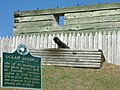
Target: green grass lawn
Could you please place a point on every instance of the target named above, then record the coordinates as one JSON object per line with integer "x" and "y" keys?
{"x": 66, "y": 78}
{"x": 69, "y": 78}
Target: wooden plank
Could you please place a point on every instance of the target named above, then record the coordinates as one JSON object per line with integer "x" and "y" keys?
{"x": 77, "y": 41}
{"x": 53, "y": 43}
{"x": 104, "y": 25}
{"x": 95, "y": 42}
{"x": 100, "y": 40}
{"x": 50, "y": 41}
{"x": 65, "y": 39}
{"x": 118, "y": 48}
{"x": 69, "y": 40}
{"x": 35, "y": 24}
{"x": 65, "y": 31}
{"x": 45, "y": 41}
{"x": 114, "y": 48}
{"x": 86, "y": 41}
{"x": 109, "y": 48}
{"x": 72, "y": 60}
{"x": 90, "y": 14}
{"x": 91, "y": 41}
{"x": 58, "y": 30}
{"x": 34, "y": 18}
{"x": 98, "y": 19}
{"x": 73, "y": 63}
{"x": 68, "y": 56}
{"x": 66, "y": 52}
{"x": 38, "y": 41}
{"x": 105, "y": 45}
{"x": 69, "y": 9}
{"x": 82, "y": 41}
{"x": 78, "y": 27}
{"x": 68, "y": 65}
{"x": 107, "y": 29}
{"x": 36, "y": 29}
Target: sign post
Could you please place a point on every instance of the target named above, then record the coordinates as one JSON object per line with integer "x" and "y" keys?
{"x": 21, "y": 70}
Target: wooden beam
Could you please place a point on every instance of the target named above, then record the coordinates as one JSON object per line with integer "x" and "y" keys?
{"x": 96, "y": 7}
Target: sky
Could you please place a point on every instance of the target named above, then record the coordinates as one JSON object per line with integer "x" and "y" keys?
{"x": 8, "y": 7}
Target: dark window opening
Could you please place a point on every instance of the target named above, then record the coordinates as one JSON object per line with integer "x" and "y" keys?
{"x": 60, "y": 19}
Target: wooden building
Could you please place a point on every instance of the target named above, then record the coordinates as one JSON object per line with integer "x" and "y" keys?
{"x": 91, "y": 18}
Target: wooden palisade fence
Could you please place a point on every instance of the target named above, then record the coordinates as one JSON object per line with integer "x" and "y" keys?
{"x": 108, "y": 42}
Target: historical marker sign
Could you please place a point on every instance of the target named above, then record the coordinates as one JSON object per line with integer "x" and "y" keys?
{"x": 20, "y": 69}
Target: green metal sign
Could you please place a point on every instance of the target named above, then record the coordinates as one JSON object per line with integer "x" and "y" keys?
{"x": 21, "y": 70}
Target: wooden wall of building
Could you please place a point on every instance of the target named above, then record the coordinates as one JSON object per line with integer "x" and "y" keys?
{"x": 92, "y": 18}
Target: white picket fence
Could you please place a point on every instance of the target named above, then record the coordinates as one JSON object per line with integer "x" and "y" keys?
{"x": 108, "y": 42}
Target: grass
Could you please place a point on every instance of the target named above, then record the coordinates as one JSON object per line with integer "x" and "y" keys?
{"x": 68, "y": 78}
{"x": 65, "y": 78}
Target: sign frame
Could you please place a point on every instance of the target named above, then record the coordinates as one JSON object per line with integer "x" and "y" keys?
{"x": 21, "y": 54}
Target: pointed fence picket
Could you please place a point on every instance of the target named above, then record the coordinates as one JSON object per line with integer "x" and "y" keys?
{"x": 108, "y": 42}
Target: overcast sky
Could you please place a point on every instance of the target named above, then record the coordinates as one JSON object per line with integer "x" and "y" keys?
{"x": 8, "y": 7}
